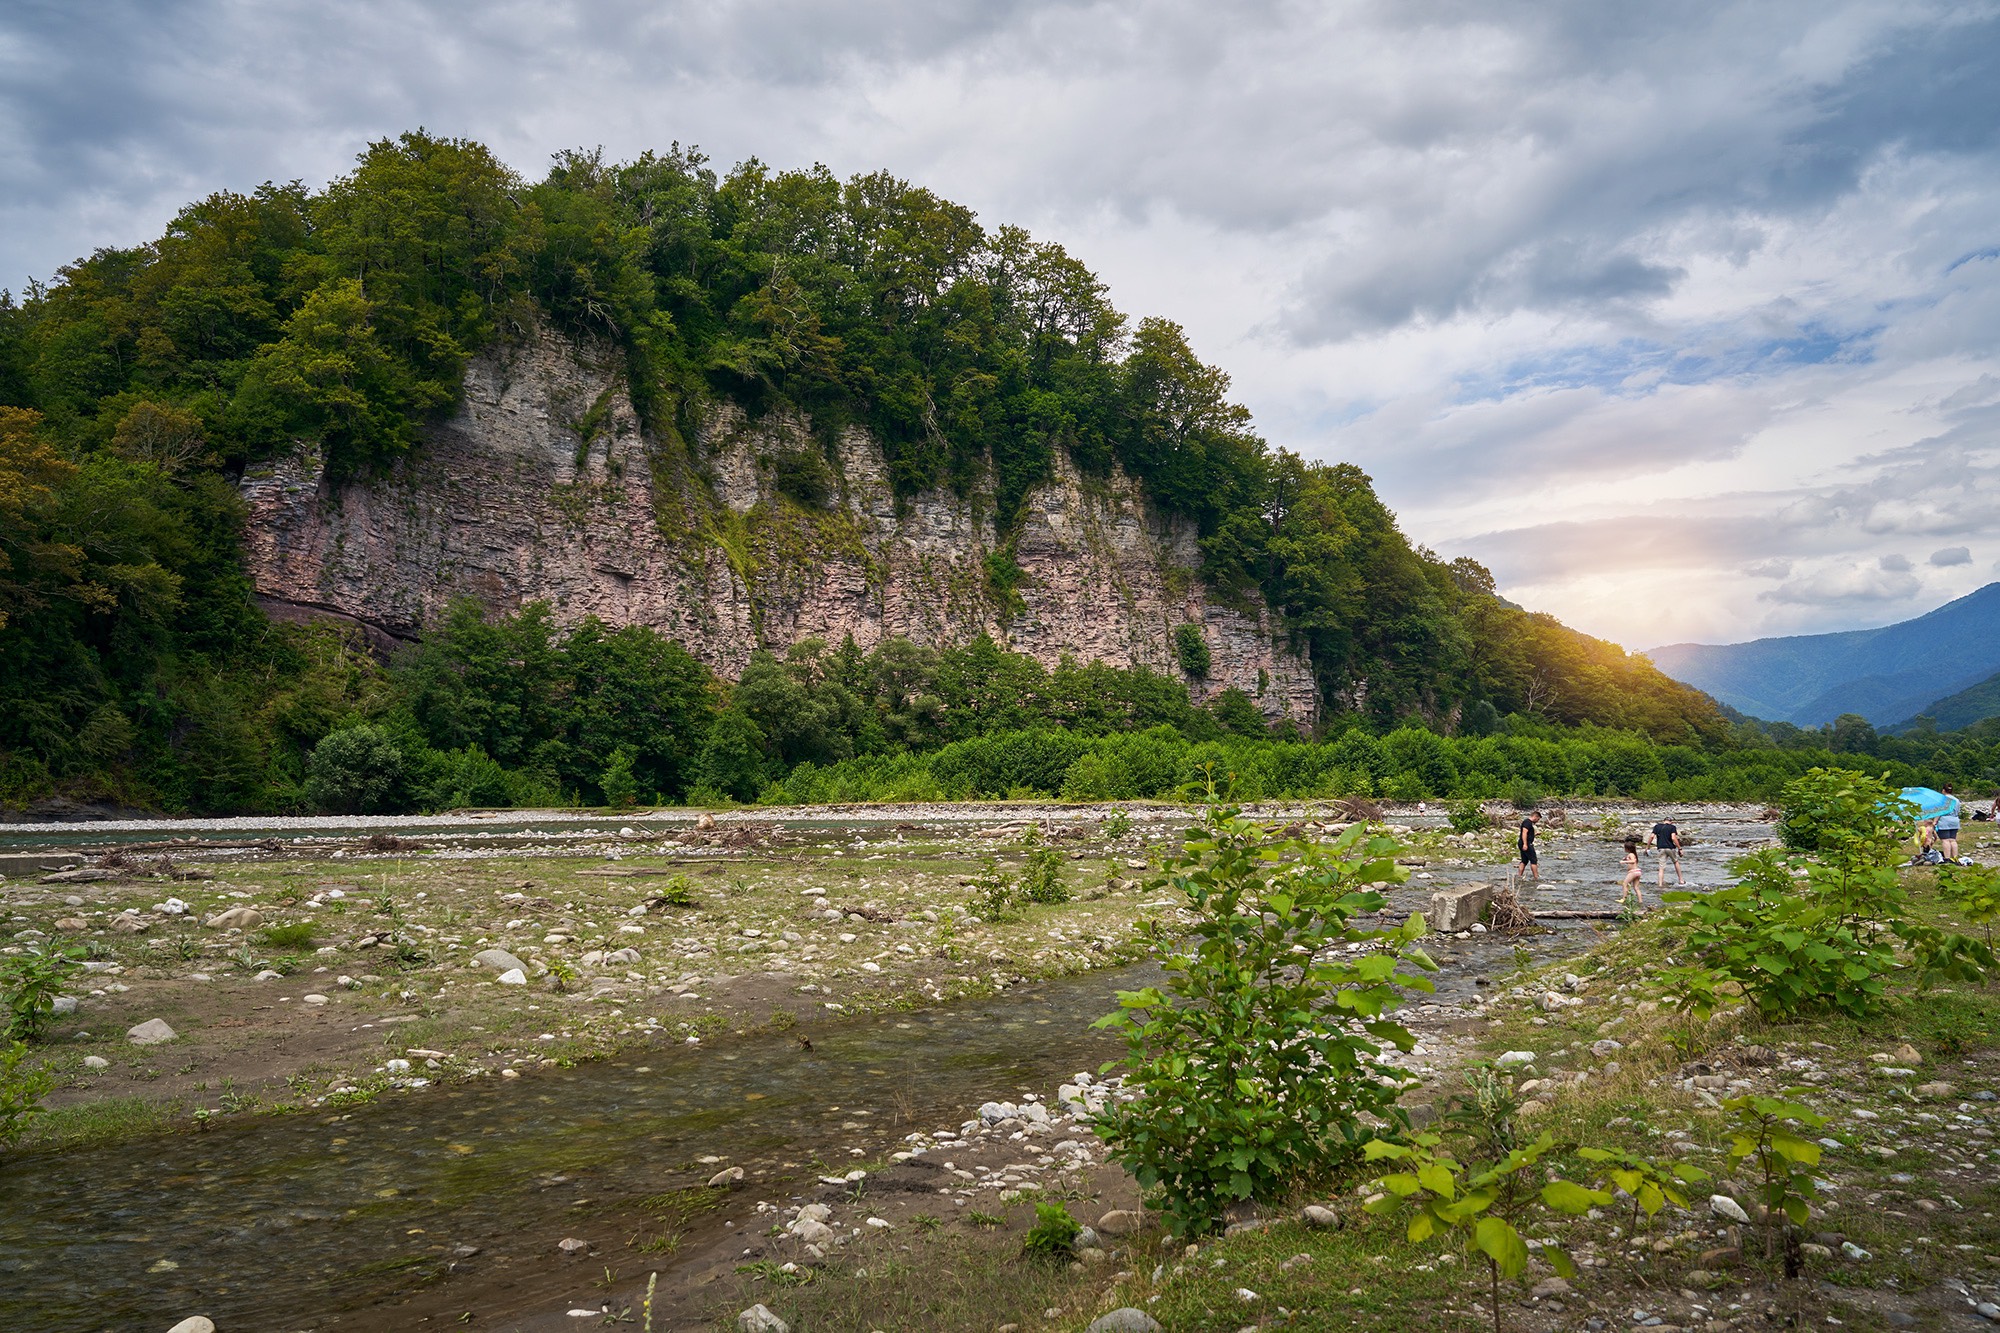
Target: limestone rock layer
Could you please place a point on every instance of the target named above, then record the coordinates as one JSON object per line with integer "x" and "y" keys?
{"x": 544, "y": 486}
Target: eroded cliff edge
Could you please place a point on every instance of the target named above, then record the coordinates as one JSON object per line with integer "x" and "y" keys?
{"x": 544, "y": 486}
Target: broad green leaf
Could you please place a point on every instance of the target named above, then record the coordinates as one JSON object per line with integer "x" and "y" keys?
{"x": 1568, "y": 1197}
{"x": 1496, "y": 1238}
{"x": 1437, "y": 1178}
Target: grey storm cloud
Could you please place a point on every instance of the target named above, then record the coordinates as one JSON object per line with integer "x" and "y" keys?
{"x": 1547, "y": 253}
{"x": 1950, "y": 556}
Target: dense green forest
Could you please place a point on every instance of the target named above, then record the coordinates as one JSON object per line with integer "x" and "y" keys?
{"x": 137, "y": 383}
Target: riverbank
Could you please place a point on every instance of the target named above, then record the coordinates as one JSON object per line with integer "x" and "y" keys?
{"x": 767, "y": 973}
{"x": 1903, "y": 1234}
{"x": 294, "y": 966}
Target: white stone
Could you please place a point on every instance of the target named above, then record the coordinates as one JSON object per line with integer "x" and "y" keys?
{"x": 513, "y": 976}
{"x": 194, "y": 1323}
{"x": 1725, "y": 1207}
{"x": 150, "y": 1033}
{"x": 757, "y": 1319}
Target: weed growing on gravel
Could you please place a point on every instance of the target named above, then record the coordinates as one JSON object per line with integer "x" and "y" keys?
{"x": 29, "y": 985}
{"x": 291, "y": 938}
{"x": 1053, "y": 1232}
{"x": 21, "y": 1091}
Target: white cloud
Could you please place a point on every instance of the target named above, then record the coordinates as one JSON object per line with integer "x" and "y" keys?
{"x": 1950, "y": 556}
{"x": 1647, "y": 305}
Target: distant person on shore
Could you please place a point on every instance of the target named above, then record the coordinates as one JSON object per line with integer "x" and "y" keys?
{"x": 1667, "y": 842}
{"x": 1947, "y": 828}
{"x": 1633, "y": 875}
{"x": 1531, "y": 864}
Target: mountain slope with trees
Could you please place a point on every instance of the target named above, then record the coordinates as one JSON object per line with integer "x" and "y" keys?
{"x": 1886, "y": 675}
{"x": 138, "y": 384}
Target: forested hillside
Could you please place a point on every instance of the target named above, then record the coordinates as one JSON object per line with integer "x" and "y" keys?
{"x": 138, "y": 383}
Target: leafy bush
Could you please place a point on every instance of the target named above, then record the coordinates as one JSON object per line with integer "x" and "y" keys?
{"x": 1469, "y": 817}
{"x": 298, "y": 935}
{"x": 1258, "y": 1062}
{"x": 620, "y": 788}
{"x": 357, "y": 770}
{"x": 1191, "y": 651}
{"x": 1053, "y": 1233}
{"x": 993, "y": 894}
{"x": 1821, "y": 929}
{"x": 21, "y": 1090}
{"x": 1763, "y": 1132}
{"x": 1042, "y": 879}
{"x": 1117, "y": 824}
{"x": 1845, "y": 816}
{"x": 1524, "y": 794}
{"x": 29, "y": 985}
{"x": 1486, "y": 1204}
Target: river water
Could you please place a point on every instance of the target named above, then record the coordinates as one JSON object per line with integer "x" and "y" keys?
{"x": 315, "y": 1221}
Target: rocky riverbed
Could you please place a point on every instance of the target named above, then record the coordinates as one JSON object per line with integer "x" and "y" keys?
{"x": 348, "y": 971}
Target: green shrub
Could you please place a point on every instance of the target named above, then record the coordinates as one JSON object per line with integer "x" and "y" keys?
{"x": 1255, "y": 1071}
{"x": 357, "y": 770}
{"x": 1766, "y": 1131}
{"x": 1053, "y": 1233}
{"x": 29, "y": 985}
{"x": 298, "y": 935}
{"x": 1524, "y": 794}
{"x": 1469, "y": 817}
{"x": 1042, "y": 879}
{"x": 1821, "y": 929}
{"x": 993, "y": 894}
{"x": 21, "y": 1090}
{"x": 1191, "y": 651}
{"x": 620, "y": 787}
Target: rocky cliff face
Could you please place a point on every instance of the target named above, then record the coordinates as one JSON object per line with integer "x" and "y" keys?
{"x": 544, "y": 487}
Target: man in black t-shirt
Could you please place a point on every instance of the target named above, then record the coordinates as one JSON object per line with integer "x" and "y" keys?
{"x": 1531, "y": 867}
{"x": 1667, "y": 842}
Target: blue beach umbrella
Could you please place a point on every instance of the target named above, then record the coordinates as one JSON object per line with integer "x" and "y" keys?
{"x": 1929, "y": 804}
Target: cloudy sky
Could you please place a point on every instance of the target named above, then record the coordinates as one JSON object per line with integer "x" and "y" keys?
{"x": 1684, "y": 317}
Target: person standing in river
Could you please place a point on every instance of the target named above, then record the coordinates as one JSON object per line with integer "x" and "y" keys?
{"x": 1667, "y": 842}
{"x": 1630, "y": 896}
{"x": 1531, "y": 865}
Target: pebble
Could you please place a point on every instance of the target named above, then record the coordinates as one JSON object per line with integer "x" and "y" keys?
{"x": 64, "y": 1004}
{"x": 758, "y": 1319}
{"x": 513, "y": 976}
{"x": 194, "y": 1323}
{"x": 500, "y": 961}
{"x": 571, "y": 1245}
{"x": 1550, "y": 1286}
{"x": 150, "y": 1033}
{"x": 1724, "y": 1206}
{"x": 1128, "y": 1319}
{"x": 313, "y": 999}
{"x": 96, "y": 1062}
{"x": 1316, "y": 1216}
{"x": 726, "y": 1177}
{"x": 1510, "y": 1059}
{"x": 268, "y": 975}
{"x": 1120, "y": 1222}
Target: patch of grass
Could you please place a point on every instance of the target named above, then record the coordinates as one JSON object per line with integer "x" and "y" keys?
{"x": 109, "y": 1120}
{"x": 954, "y": 1282}
{"x": 297, "y": 936}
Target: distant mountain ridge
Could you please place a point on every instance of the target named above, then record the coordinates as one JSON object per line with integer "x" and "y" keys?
{"x": 1959, "y": 711}
{"x": 1887, "y": 675}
